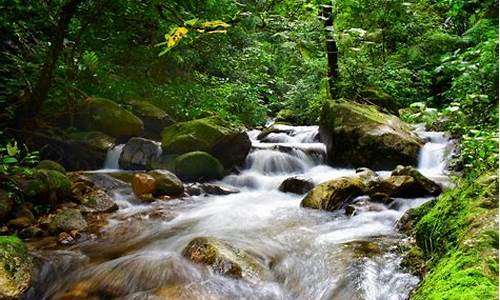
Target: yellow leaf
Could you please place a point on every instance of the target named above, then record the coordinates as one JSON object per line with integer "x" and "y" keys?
{"x": 213, "y": 25}
{"x": 174, "y": 38}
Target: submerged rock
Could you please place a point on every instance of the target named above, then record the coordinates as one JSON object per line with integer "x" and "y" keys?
{"x": 110, "y": 117}
{"x": 224, "y": 258}
{"x": 361, "y": 136}
{"x": 138, "y": 153}
{"x": 334, "y": 194}
{"x": 67, "y": 220}
{"x": 297, "y": 185}
{"x": 16, "y": 267}
{"x": 198, "y": 165}
{"x": 226, "y": 142}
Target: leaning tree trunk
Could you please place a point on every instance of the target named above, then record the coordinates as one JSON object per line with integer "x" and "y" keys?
{"x": 331, "y": 50}
{"x": 32, "y": 106}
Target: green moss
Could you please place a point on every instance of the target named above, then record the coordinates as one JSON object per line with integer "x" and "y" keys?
{"x": 51, "y": 165}
{"x": 197, "y": 135}
{"x": 111, "y": 118}
{"x": 198, "y": 165}
{"x": 95, "y": 140}
{"x": 15, "y": 267}
{"x": 459, "y": 237}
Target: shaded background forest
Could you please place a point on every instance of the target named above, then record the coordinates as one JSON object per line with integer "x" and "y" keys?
{"x": 271, "y": 61}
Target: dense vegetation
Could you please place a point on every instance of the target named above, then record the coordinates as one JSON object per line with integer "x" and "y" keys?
{"x": 249, "y": 61}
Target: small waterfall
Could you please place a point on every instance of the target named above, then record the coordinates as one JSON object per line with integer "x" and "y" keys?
{"x": 112, "y": 157}
{"x": 432, "y": 157}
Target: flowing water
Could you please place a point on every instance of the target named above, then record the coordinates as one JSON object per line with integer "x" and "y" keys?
{"x": 310, "y": 254}
{"x": 113, "y": 157}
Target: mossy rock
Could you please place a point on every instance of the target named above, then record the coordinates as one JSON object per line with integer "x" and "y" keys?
{"x": 334, "y": 194}
{"x": 50, "y": 165}
{"x": 198, "y": 165}
{"x": 111, "y": 118}
{"x": 163, "y": 162}
{"x": 359, "y": 135}
{"x": 153, "y": 117}
{"x": 228, "y": 143}
{"x": 16, "y": 267}
{"x": 166, "y": 183}
{"x": 95, "y": 140}
{"x": 287, "y": 116}
{"x": 67, "y": 220}
{"x": 6, "y": 205}
{"x": 223, "y": 258}
{"x": 381, "y": 99}
{"x": 45, "y": 186}
{"x": 427, "y": 186}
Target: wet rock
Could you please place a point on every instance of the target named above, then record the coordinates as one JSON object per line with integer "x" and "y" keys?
{"x": 166, "y": 183}
{"x": 6, "y": 205}
{"x": 139, "y": 152}
{"x": 198, "y": 165}
{"x": 361, "y": 136}
{"x": 110, "y": 181}
{"x": 364, "y": 248}
{"x": 92, "y": 199}
{"x": 223, "y": 258}
{"x": 428, "y": 186}
{"x": 183, "y": 292}
{"x": 32, "y": 232}
{"x": 16, "y": 267}
{"x": 380, "y": 198}
{"x": 143, "y": 184}
{"x": 407, "y": 182}
{"x": 67, "y": 220}
{"x": 20, "y": 222}
{"x": 272, "y": 129}
{"x": 45, "y": 187}
{"x": 65, "y": 238}
{"x": 110, "y": 118}
{"x": 350, "y": 210}
{"x": 297, "y": 185}
{"x": 228, "y": 143}
{"x": 97, "y": 201}
{"x": 215, "y": 189}
{"x": 153, "y": 117}
{"x": 334, "y": 194}
{"x": 50, "y": 165}
{"x": 369, "y": 177}
{"x": 193, "y": 189}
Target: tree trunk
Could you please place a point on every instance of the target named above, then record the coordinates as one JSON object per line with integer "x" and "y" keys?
{"x": 30, "y": 108}
{"x": 331, "y": 49}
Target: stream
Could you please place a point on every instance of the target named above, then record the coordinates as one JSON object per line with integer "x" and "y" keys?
{"x": 310, "y": 254}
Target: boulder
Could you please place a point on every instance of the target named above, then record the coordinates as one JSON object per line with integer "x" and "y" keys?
{"x": 153, "y": 117}
{"x": 92, "y": 198}
{"x": 228, "y": 143}
{"x": 50, "y": 165}
{"x": 67, "y": 220}
{"x": 215, "y": 189}
{"x": 16, "y": 267}
{"x": 428, "y": 186}
{"x": 166, "y": 183}
{"x": 287, "y": 116}
{"x": 110, "y": 117}
{"x": 369, "y": 177}
{"x": 138, "y": 152}
{"x": 163, "y": 162}
{"x": 143, "y": 184}
{"x": 45, "y": 186}
{"x": 94, "y": 140}
{"x": 297, "y": 185}
{"x": 358, "y": 135}
{"x": 198, "y": 165}
{"x": 407, "y": 182}
{"x": 6, "y": 205}
{"x": 223, "y": 258}
{"x": 381, "y": 99}
{"x": 334, "y": 194}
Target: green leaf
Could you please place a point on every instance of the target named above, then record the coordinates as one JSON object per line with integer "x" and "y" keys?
{"x": 12, "y": 149}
